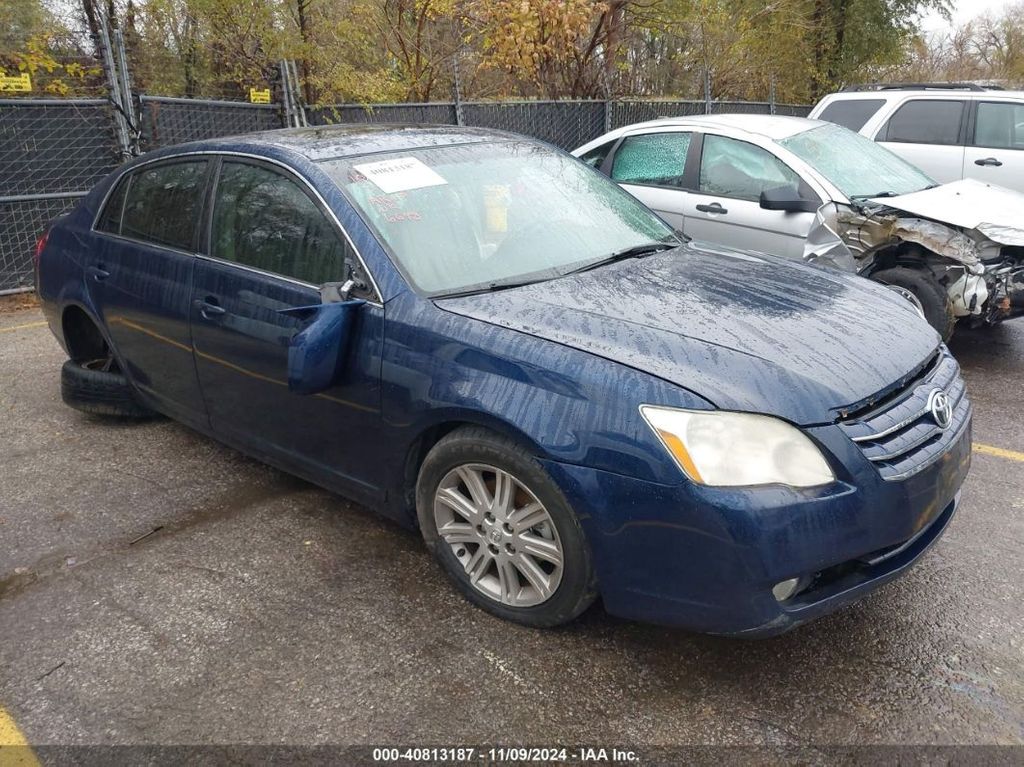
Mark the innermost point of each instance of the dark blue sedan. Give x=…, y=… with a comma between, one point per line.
x=480, y=336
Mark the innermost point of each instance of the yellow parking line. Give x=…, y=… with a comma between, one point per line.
x=26, y=326
x=1012, y=455
x=14, y=749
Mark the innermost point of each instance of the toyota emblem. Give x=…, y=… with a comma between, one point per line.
x=941, y=408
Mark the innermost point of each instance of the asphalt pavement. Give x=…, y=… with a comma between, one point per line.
x=157, y=587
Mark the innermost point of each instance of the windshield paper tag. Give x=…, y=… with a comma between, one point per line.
x=400, y=174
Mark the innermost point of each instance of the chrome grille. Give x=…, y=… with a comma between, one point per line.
x=901, y=437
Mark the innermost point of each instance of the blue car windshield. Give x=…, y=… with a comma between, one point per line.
x=478, y=216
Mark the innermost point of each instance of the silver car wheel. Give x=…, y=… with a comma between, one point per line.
x=500, y=533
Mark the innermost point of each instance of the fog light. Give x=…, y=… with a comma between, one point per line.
x=783, y=590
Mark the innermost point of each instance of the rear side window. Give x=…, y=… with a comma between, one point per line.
x=999, y=125
x=163, y=202
x=263, y=219
x=110, y=221
x=851, y=113
x=653, y=158
x=925, y=121
x=595, y=157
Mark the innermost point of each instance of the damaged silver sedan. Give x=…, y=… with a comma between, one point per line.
x=806, y=189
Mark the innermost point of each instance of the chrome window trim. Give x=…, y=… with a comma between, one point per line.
x=332, y=216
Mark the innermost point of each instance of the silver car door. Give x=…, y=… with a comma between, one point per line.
x=995, y=151
x=650, y=166
x=726, y=208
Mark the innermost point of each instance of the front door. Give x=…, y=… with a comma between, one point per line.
x=928, y=133
x=726, y=207
x=140, y=276
x=271, y=245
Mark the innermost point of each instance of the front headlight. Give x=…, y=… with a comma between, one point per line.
x=726, y=449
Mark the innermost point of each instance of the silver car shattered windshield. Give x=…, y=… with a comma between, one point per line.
x=858, y=166
x=480, y=216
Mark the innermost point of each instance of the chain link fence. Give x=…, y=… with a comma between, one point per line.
x=169, y=121
x=52, y=151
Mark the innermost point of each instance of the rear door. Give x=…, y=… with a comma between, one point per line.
x=271, y=245
x=140, y=275
x=928, y=133
x=651, y=167
x=995, y=151
x=726, y=207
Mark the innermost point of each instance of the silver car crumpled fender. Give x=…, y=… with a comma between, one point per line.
x=868, y=230
x=824, y=246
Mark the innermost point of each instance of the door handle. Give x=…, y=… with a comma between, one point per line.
x=209, y=307
x=989, y=161
x=712, y=208
x=98, y=272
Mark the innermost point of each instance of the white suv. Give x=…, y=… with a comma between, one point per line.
x=949, y=130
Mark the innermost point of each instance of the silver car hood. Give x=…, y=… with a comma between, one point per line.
x=967, y=204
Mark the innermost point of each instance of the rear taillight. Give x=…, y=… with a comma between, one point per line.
x=40, y=245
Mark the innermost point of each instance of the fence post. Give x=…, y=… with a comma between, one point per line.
x=771, y=95
x=113, y=86
x=127, y=103
x=294, y=110
x=707, y=90
x=457, y=89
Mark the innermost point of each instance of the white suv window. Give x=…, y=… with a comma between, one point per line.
x=999, y=125
x=851, y=113
x=925, y=121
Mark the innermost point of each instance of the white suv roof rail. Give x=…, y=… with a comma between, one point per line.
x=920, y=87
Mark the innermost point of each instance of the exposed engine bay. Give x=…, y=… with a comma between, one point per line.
x=981, y=269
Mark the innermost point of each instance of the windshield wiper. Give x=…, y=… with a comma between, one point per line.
x=637, y=251
x=494, y=287
x=877, y=194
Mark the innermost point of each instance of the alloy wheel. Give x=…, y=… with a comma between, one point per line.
x=501, y=534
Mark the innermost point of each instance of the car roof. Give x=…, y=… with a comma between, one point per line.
x=899, y=93
x=770, y=126
x=330, y=141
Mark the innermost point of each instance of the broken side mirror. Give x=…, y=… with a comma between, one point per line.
x=317, y=353
x=787, y=199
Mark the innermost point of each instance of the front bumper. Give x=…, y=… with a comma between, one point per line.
x=707, y=558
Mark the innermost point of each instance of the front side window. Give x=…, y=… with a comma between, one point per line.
x=851, y=113
x=163, y=202
x=478, y=216
x=856, y=165
x=999, y=125
x=653, y=158
x=925, y=121
x=739, y=169
x=263, y=219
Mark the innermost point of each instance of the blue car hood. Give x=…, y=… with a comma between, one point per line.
x=744, y=332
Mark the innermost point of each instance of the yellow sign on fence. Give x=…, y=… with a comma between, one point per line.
x=259, y=96
x=17, y=83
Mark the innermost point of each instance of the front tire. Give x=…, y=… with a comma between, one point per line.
x=502, y=530
x=938, y=309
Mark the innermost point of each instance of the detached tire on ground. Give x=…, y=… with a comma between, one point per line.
x=93, y=387
x=502, y=530
x=938, y=310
